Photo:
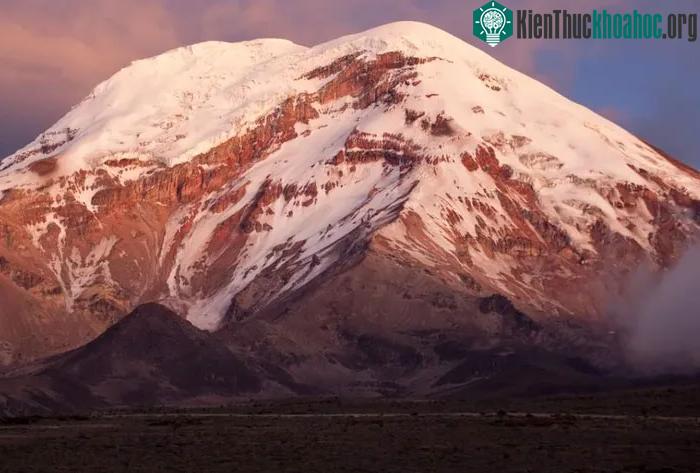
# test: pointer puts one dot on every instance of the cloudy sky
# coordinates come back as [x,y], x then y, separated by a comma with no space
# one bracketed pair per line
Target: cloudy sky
[53,52]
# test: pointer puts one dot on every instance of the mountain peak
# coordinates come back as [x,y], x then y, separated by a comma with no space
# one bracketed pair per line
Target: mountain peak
[410,36]
[221,53]
[147,110]
[229,180]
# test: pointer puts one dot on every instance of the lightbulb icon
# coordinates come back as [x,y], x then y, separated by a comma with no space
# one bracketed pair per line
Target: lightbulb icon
[493,21]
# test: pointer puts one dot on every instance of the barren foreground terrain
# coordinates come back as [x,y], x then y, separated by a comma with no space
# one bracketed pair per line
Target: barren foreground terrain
[653,430]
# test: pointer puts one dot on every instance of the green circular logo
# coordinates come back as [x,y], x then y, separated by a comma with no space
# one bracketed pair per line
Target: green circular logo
[493,23]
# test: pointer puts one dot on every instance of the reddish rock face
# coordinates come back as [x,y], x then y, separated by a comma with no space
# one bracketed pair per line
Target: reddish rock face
[44,167]
[316,204]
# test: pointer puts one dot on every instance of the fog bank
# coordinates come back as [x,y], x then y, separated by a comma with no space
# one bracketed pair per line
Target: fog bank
[661,319]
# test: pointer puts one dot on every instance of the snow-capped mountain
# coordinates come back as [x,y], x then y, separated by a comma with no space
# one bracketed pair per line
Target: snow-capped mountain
[376,188]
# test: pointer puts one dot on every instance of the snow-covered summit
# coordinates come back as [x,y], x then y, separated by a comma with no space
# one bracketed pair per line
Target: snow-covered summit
[181,103]
[407,36]
[164,108]
[223,177]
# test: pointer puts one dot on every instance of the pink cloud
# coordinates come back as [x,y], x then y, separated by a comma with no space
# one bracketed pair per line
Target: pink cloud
[53,56]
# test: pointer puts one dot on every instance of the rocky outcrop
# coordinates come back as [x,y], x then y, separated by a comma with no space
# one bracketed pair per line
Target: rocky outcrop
[150,358]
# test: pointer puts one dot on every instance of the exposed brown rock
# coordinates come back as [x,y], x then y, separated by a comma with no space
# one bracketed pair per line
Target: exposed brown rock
[44,167]
[412,116]
[441,126]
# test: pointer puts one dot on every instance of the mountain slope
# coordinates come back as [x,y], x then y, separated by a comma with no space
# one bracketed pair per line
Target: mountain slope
[237,183]
[153,358]
[150,357]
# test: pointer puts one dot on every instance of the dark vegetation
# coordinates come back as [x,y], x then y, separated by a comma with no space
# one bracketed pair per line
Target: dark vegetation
[652,430]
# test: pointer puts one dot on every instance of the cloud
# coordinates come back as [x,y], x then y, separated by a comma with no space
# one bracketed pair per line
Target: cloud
[78,42]
[661,319]
[306,22]
[53,53]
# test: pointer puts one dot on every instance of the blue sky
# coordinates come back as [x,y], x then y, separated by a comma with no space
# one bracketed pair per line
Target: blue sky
[54,51]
